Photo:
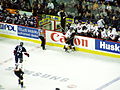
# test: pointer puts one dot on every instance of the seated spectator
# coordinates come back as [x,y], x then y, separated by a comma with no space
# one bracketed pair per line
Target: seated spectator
[108,7]
[95,6]
[31,21]
[104,35]
[40,9]
[62,6]
[102,7]
[34,9]
[55,3]
[79,29]
[95,31]
[101,23]
[114,21]
[90,28]
[50,5]
[113,34]
[17,18]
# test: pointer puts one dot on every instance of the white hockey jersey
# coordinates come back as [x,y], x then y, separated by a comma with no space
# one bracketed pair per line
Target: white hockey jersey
[100,23]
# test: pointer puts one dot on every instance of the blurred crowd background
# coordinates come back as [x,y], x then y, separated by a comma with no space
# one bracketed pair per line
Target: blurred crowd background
[80,10]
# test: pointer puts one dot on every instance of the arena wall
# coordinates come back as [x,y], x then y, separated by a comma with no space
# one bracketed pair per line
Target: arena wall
[53,38]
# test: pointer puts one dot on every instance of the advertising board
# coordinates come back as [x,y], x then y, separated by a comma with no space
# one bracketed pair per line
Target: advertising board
[107,46]
[28,32]
[79,41]
[8,29]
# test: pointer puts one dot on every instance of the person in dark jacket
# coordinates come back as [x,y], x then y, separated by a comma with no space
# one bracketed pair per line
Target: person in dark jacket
[42,38]
[63,16]
[18,53]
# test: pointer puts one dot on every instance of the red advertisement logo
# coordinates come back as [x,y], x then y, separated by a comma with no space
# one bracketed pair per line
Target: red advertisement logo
[56,37]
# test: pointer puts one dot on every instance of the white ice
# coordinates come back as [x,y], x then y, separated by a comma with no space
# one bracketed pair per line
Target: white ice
[54,68]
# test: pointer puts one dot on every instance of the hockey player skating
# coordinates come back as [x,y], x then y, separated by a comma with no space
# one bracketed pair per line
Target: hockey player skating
[19,73]
[18,52]
[69,37]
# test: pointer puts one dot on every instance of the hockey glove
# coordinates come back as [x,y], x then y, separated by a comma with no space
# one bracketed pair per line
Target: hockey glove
[27,54]
[14,52]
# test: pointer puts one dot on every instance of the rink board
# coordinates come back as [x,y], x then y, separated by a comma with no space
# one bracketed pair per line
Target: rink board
[84,44]
[58,45]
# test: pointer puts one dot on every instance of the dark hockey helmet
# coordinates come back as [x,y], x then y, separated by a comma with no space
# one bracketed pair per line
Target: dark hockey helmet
[21,43]
[71,27]
[84,27]
[57,89]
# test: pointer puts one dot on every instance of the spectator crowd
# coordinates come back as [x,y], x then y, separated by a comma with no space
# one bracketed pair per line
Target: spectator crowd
[104,13]
[18,19]
[100,30]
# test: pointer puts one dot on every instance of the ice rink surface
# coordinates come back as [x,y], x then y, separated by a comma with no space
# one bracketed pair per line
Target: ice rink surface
[54,68]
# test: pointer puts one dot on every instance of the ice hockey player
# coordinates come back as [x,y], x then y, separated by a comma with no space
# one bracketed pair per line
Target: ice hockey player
[42,38]
[69,39]
[19,73]
[18,53]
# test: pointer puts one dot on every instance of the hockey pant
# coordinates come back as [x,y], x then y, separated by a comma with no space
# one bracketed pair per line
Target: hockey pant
[43,42]
[18,61]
